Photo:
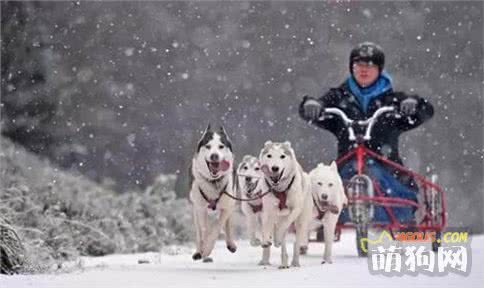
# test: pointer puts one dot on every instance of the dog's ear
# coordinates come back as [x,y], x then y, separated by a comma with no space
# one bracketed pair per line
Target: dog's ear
[225,137]
[265,149]
[207,130]
[333,166]
[246,158]
[205,137]
[238,167]
[286,146]
[222,131]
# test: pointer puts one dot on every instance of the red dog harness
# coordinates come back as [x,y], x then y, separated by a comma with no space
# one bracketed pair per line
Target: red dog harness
[281,195]
[256,208]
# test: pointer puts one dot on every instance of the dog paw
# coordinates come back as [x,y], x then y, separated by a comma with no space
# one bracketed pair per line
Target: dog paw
[303,250]
[295,264]
[264,263]
[197,256]
[207,249]
[283,267]
[255,242]
[277,244]
[327,261]
[232,248]
[207,260]
[266,244]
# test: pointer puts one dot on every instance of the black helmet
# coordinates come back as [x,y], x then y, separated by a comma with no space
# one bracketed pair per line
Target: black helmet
[367,52]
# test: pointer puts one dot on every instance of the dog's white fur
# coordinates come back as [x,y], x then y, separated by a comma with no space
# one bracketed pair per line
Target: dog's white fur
[276,222]
[207,233]
[251,184]
[325,180]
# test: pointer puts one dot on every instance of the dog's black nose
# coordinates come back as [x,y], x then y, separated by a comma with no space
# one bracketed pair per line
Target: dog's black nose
[324,197]
[248,179]
[214,157]
[275,169]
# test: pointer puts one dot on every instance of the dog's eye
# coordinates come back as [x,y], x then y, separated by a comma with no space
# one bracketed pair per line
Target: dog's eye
[245,168]
[269,156]
[320,183]
[221,147]
[257,169]
[330,185]
[207,146]
[283,156]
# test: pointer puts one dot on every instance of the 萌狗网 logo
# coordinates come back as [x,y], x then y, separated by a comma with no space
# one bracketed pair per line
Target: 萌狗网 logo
[429,252]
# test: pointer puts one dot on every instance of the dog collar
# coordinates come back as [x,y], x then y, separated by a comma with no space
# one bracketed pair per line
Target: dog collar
[212,180]
[332,208]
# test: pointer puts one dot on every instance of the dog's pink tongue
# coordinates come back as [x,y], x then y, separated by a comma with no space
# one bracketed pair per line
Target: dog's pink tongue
[224,165]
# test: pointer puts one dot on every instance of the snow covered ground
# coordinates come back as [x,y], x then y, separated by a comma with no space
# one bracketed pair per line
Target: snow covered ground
[174,267]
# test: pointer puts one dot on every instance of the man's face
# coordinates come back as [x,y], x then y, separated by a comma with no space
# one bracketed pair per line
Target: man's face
[365,73]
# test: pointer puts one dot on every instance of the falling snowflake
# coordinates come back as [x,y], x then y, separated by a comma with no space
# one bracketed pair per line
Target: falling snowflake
[129,52]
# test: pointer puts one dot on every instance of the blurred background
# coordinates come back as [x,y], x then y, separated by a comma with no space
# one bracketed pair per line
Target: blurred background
[120,92]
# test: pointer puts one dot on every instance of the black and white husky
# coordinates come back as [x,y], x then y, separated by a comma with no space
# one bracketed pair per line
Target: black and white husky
[212,179]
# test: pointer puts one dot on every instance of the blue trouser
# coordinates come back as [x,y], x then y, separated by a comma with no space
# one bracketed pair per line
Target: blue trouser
[390,187]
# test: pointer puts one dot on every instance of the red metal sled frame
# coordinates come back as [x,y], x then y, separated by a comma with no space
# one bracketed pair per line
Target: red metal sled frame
[428,221]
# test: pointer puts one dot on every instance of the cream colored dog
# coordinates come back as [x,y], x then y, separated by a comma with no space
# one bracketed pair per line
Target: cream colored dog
[328,198]
[289,201]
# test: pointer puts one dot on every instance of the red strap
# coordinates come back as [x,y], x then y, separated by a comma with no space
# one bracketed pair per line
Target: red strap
[326,207]
[256,208]
[320,213]
[212,204]
[282,196]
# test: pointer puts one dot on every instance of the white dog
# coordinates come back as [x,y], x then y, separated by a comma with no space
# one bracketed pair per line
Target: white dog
[290,200]
[212,180]
[250,184]
[328,198]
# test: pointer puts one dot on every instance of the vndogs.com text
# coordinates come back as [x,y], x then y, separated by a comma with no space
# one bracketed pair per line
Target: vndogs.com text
[431,236]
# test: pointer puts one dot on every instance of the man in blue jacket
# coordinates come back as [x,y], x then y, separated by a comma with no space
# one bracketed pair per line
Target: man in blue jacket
[368,88]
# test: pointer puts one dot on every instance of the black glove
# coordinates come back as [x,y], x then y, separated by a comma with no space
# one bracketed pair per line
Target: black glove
[408,107]
[312,109]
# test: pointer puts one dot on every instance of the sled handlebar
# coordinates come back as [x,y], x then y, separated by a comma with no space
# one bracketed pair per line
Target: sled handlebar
[350,122]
